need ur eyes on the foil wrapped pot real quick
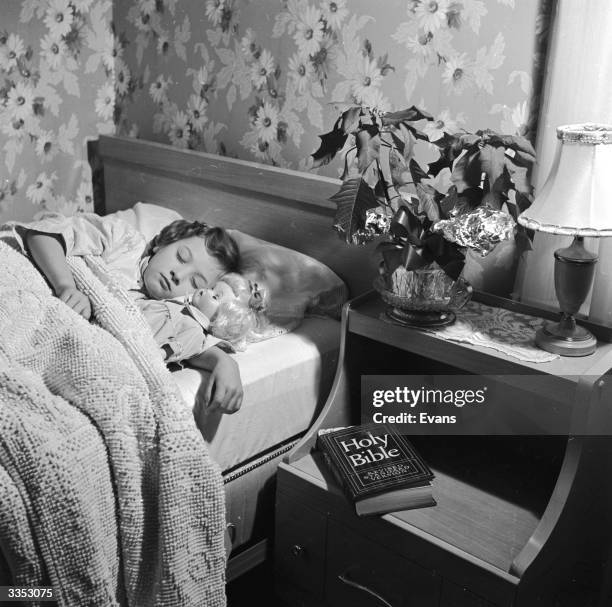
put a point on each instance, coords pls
(480, 229)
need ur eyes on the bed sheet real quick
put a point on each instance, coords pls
(286, 381)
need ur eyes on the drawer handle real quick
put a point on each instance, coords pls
(343, 577)
(298, 550)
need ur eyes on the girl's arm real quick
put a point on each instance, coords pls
(48, 254)
(224, 388)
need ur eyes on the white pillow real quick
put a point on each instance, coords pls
(147, 218)
(298, 284)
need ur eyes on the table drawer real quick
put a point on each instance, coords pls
(299, 553)
(362, 573)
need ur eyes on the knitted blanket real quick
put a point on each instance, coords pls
(107, 491)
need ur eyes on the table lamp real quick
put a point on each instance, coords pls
(576, 200)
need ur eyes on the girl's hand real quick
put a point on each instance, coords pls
(224, 388)
(78, 301)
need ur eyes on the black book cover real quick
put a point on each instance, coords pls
(372, 459)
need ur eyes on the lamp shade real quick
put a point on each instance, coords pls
(576, 199)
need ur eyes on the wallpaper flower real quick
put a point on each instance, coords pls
(254, 79)
(56, 93)
(260, 80)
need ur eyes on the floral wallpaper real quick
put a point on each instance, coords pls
(56, 94)
(260, 80)
(254, 79)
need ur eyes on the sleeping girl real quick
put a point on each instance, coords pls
(230, 311)
(184, 257)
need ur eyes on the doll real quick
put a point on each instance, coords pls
(226, 314)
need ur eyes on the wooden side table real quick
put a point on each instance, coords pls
(513, 515)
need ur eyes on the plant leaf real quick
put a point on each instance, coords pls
(372, 177)
(450, 149)
(418, 174)
(350, 119)
(398, 142)
(368, 147)
(466, 172)
(331, 144)
(522, 202)
(514, 142)
(428, 207)
(408, 115)
(519, 176)
(492, 162)
(400, 172)
(352, 201)
(497, 195)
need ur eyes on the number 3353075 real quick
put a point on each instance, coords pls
(36, 593)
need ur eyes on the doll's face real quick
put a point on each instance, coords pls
(208, 300)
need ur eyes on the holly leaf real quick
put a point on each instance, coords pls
(352, 201)
(410, 114)
(331, 144)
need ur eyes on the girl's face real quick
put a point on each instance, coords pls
(208, 300)
(179, 268)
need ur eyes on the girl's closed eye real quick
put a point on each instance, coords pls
(182, 254)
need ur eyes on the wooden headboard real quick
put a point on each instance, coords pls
(287, 207)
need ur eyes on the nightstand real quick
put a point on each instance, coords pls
(514, 514)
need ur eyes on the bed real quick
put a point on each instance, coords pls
(286, 379)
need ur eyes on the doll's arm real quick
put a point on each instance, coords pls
(48, 254)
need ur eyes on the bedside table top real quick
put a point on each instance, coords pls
(364, 318)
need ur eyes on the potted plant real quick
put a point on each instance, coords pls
(469, 197)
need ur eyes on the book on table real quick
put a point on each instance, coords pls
(379, 470)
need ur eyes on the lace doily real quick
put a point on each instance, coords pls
(503, 330)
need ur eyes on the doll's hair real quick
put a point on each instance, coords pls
(239, 319)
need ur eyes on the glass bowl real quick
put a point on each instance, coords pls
(430, 298)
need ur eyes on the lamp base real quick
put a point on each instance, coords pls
(554, 338)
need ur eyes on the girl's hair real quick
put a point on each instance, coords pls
(238, 319)
(219, 243)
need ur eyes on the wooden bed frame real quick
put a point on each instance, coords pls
(287, 207)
